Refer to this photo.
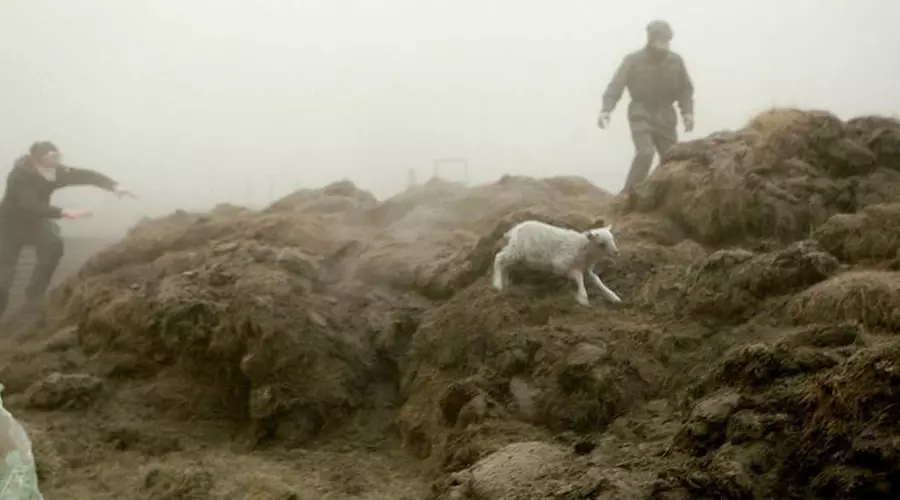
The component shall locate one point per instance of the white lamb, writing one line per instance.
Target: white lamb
(544, 247)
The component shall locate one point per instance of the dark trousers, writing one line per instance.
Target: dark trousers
(48, 245)
(647, 140)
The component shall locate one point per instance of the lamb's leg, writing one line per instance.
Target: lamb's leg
(500, 263)
(581, 295)
(609, 294)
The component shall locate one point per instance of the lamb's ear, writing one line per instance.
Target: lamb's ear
(609, 228)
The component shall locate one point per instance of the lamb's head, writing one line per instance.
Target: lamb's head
(603, 238)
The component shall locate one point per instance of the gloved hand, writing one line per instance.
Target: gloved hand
(688, 122)
(603, 120)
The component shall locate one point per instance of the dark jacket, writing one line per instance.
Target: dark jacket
(654, 83)
(27, 197)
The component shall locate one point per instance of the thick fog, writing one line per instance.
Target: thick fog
(194, 102)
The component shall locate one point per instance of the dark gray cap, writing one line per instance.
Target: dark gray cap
(660, 30)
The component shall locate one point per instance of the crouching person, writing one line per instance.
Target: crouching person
(28, 218)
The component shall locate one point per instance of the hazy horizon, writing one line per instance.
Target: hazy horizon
(193, 103)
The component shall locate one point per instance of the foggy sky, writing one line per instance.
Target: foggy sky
(193, 102)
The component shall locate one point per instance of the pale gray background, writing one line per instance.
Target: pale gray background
(192, 102)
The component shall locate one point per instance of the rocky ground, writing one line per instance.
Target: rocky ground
(338, 346)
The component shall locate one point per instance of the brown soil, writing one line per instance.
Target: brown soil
(337, 346)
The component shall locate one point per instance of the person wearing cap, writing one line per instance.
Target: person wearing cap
(27, 217)
(656, 79)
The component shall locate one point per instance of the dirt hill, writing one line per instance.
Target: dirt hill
(337, 346)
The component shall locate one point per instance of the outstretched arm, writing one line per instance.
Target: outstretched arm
(616, 86)
(73, 176)
(685, 92)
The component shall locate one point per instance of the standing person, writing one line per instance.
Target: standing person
(27, 217)
(656, 78)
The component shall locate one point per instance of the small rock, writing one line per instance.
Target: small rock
(317, 319)
(223, 248)
(657, 406)
(584, 366)
(706, 427)
(296, 262)
(262, 403)
(509, 470)
(717, 408)
(64, 391)
(587, 355)
(62, 340)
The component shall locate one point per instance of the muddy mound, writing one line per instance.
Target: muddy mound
(483, 358)
(288, 315)
(868, 297)
(754, 341)
(868, 236)
(807, 416)
(183, 232)
(511, 472)
(810, 415)
(732, 284)
(480, 360)
(251, 320)
(244, 306)
(853, 404)
(785, 173)
(340, 199)
(436, 238)
(477, 209)
(623, 463)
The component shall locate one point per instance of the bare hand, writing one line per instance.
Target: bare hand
(121, 192)
(688, 122)
(603, 120)
(76, 214)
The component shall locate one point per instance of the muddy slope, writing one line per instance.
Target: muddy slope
(754, 355)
